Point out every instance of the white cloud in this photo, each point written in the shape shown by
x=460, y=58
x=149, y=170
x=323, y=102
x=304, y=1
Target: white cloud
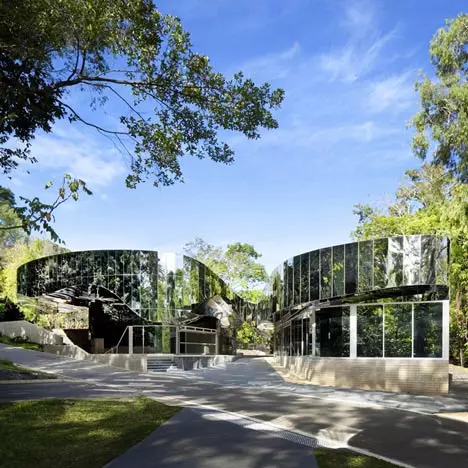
x=363, y=48
x=272, y=66
x=395, y=93
x=80, y=155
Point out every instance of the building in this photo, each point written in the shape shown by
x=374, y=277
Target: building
x=371, y=314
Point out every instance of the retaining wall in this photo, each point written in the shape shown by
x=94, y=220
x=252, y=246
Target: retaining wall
x=29, y=331
x=420, y=376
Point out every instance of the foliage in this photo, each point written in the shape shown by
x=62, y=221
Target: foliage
x=442, y=122
x=76, y=433
x=9, y=311
x=130, y=57
x=237, y=265
x=247, y=334
x=431, y=202
x=34, y=215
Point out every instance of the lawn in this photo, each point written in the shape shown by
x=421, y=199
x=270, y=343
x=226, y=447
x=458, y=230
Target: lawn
x=20, y=342
x=75, y=433
x=327, y=458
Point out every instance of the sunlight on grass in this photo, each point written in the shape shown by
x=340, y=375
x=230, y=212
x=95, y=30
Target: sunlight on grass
x=327, y=458
x=75, y=433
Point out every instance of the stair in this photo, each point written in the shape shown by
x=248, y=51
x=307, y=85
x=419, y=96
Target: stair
x=161, y=365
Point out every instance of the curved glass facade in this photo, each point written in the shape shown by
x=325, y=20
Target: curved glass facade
x=157, y=287
x=370, y=267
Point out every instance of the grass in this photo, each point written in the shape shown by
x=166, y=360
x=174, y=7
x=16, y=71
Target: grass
x=327, y=458
x=75, y=433
x=5, y=364
x=20, y=342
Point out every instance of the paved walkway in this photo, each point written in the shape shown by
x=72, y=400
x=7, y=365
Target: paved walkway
x=200, y=439
x=415, y=439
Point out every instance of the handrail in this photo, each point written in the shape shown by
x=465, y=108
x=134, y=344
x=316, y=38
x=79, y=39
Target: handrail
x=117, y=345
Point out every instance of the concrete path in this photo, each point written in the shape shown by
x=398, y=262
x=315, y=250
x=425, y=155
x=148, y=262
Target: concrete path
x=418, y=440
x=199, y=439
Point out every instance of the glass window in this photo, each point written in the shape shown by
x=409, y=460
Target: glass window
x=338, y=270
x=395, y=261
x=370, y=331
x=296, y=333
x=332, y=332
x=325, y=273
x=428, y=260
x=314, y=275
x=365, y=266
x=428, y=330
x=297, y=279
x=442, y=260
x=398, y=330
x=411, y=259
x=285, y=285
x=289, y=266
x=306, y=337
x=305, y=278
x=350, y=268
x=380, y=263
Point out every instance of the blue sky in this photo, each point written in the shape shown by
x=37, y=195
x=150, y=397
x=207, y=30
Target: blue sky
x=348, y=69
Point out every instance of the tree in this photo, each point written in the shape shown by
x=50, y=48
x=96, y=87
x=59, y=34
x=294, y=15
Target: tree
x=237, y=265
x=124, y=55
x=248, y=334
x=442, y=122
x=431, y=202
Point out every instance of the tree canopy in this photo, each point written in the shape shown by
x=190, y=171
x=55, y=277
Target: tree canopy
x=442, y=122
x=237, y=265
x=128, y=54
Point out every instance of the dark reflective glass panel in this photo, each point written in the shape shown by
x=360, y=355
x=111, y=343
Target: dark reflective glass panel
x=380, y=263
x=370, y=331
x=285, y=284
x=442, y=260
x=332, y=332
x=325, y=273
x=305, y=280
x=297, y=279
x=338, y=270
x=351, y=258
x=290, y=282
x=314, y=275
x=366, y=264
x=296, y=337
x=428, y=330
x=398, y=319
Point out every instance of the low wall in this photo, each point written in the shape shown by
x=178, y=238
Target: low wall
x=29, y=331
x=419, y=376
x=131, y=362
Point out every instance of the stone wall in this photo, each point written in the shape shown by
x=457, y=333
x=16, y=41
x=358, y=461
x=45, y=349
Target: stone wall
x=420, y=376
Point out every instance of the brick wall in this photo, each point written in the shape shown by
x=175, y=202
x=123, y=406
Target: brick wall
x=420, y=376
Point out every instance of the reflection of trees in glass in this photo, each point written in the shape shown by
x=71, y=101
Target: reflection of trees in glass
x=305, y=280
x=395, y=260
x=428, y=330
x=314, y=275
x=380, y=263
x=366, y=263
x=370, y=331
x=325, y=273
x=398, y=330
x=338, y=270
x=411, y=259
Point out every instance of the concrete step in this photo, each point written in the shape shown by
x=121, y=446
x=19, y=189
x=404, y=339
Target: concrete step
x=161, y=365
